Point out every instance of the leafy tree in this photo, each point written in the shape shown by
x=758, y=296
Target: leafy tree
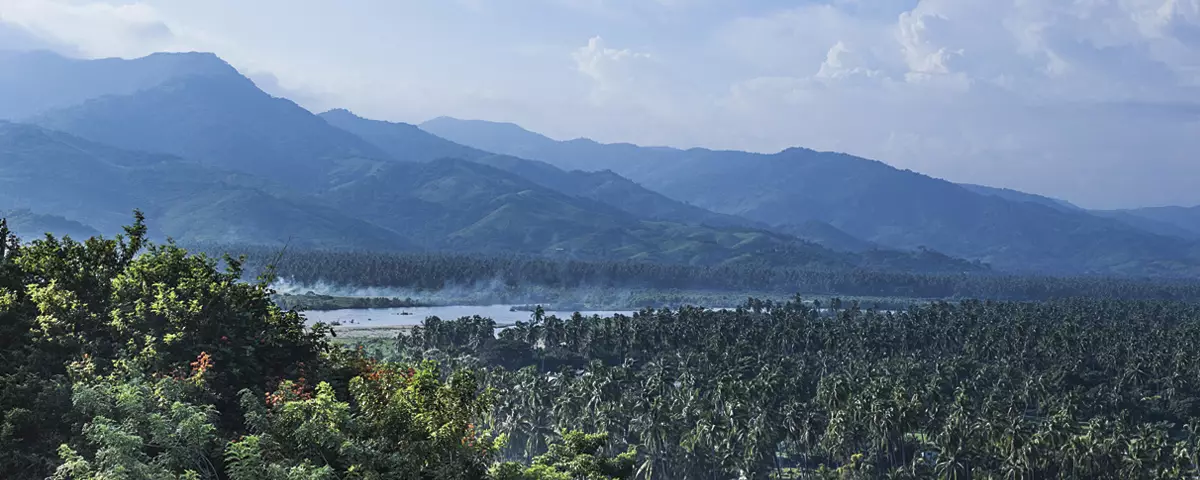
x=579, y=456
x=124, y=359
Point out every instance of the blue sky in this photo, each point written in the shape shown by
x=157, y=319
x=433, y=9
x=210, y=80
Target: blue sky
x=1095, y=101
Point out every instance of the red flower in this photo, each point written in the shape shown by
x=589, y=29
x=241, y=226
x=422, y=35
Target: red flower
x=224, y=338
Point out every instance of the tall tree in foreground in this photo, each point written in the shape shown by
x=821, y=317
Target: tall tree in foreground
x=120, y=359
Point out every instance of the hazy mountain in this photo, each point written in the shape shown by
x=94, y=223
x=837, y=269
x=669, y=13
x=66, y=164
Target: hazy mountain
x=1019, y=196
x=407, y=142
x=505, y=138
x=444, y=205
x=224, y=121
x=865, y=198
x=56, y=173
x=30, y=225
x=234, y=164
x=1177, y=221
x=35, y=82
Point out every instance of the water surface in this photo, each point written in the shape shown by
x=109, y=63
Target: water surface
x=403, y=317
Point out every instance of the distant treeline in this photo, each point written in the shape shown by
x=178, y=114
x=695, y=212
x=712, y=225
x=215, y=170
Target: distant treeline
x=312, y=301
x=435, y=271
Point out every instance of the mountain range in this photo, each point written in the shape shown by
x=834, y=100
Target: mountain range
x=866, y=199
x=212, y=158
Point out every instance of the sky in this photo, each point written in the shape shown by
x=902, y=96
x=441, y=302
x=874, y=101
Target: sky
x=1094, y=101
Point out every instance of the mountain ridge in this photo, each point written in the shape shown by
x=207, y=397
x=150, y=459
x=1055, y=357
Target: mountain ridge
x=272, y=157
x=56, y=173
x=866, y=198
x=604, y=186
x=223, y=121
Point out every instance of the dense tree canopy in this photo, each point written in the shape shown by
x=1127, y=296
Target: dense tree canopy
x=1072, y=389
x=125, y=360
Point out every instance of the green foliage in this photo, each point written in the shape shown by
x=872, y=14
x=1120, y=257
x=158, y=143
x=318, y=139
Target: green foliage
x=140, y=429
x=1065, y=389
x=578, y=456
x=398, y=421
x=120, y=359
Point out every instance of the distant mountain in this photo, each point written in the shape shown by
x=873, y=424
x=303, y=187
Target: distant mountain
x=1019, y=196
x=864, y=198
x=35, y=82
x=224, y=121
x=1177, y=221
x=444, y=205
x=29, y=225
x=58, y=173
x=408, y=142
x=213, y=159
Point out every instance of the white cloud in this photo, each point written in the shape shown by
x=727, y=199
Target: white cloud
x=612, y=70
x=1008, y=92
x=94, y=29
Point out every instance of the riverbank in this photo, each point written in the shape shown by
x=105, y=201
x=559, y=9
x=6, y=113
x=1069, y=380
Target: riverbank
x=312, y=301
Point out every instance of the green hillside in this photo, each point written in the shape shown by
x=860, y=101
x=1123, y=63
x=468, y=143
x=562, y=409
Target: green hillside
x=28, y=224
x=78, y=179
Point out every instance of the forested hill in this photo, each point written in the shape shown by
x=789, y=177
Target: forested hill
x=28, y=224
x=867, y=199
x=53, y=173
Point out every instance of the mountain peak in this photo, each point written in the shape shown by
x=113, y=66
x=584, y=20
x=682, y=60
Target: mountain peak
x=505, y=128
x=342, y=115
x=48, y=81
x=339, y=112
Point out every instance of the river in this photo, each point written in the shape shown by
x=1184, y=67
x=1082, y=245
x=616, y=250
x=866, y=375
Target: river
x=406, y=317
